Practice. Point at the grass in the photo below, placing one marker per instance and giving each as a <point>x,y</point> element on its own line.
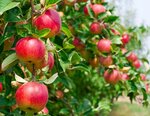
<point>128,109</point>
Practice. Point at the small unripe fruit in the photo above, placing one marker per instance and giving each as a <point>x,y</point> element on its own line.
<point>32,97</point>
<point>50,19</point>
<point>125,39</point>
<point>104,45</point>
<point>59,94</point>
<point>106,61</point>
<point>94,62</point>
<point>30,49</point>
<point>132,57</point>
<point>95,28</point>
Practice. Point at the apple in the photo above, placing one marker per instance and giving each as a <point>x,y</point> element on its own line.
<point>143,77</point>
<point>30,49</point>
<point>1,87</point>
<point>104,45</point>
<point>106,61</point>
<point>59,94</point>
<point>78,44</point>
<point>112,77</point>
<point>132,57</point>
<point>44,111</point>
<point>50,19</point>
<point>98,8</point>
<point>124,77</point>
<point>95,28</point>
<point>136,64</point>
<point>94,62</point>
<point>123,50</point>
<point>125,39</point>
<point>85,10</point>
<point>70,2</point>
<point>31,97</point>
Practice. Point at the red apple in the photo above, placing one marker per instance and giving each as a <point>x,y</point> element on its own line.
<point>59,94</point>
<point>95,28</point>
<point>124,77</point>
<point>112,77</point>
<point>32,96</point>
<point>78,44</point>
<point>70,2</point>
<point>1,87</point>
<point>106,61</point>
<point>85,10</point>
<point>136,64</point>
<point>30,49</point>
<point>104,45</point>
<point>132,57</point>
<point>143,77</point>
<point>125,39</point>
<point>44,111</point>
<point>50,19</point>
<point>98,8</point>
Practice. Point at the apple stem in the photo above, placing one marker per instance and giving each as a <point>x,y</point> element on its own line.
<point>33,72</point>
<point>32,10</point>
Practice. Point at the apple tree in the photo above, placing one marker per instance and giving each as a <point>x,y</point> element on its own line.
<point>67,57</point>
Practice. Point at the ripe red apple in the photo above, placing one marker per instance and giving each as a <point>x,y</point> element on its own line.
<point>85,10</point>
<point>59,94</point>
<point>125,39</point>
<point>1,87</point>
<point>124,77</point>
<point>112,77</point>
<point>143,77</point>
<point>78,44</point>
<point>32,97</point>
<point>98,8</point>
<point>132,57</point>
<point>136,64</point>
<point>50,19</point>
<point>70,2</point>
<point>104,45</point>
<point>95,28</point>
<point>94,62</point>
<point>106,61</point>
<point>44,111</point>
<point>30,49</point>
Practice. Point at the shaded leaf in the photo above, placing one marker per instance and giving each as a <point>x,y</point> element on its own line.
<point>51,79</point>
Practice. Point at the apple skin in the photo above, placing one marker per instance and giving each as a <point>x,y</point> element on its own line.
<point>50,19</point>
<point>132,57</point>
<point>143,77</point>
<point>95,28</point>
<point>106,61</point>
<point>1,87</point>
<point>30,49</point>
<point>32,97</point>
<point>104,45</point>
<point>98,8</point>
<point>125,39</point>
<point>59,94</point>
<point>136,64</point>
<point>112,77</point>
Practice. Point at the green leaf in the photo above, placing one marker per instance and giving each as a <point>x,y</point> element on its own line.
<point>9,61</point>
<point>51,79</point>
<point>81,67</point>
<point>116,40</point>
<point>74,57</point>
<point>110,19</point>
<point>20,79</point>
<point>52,1</point>
<point>66,30</point>
<point>7,5</point>
<point>41,33</point>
